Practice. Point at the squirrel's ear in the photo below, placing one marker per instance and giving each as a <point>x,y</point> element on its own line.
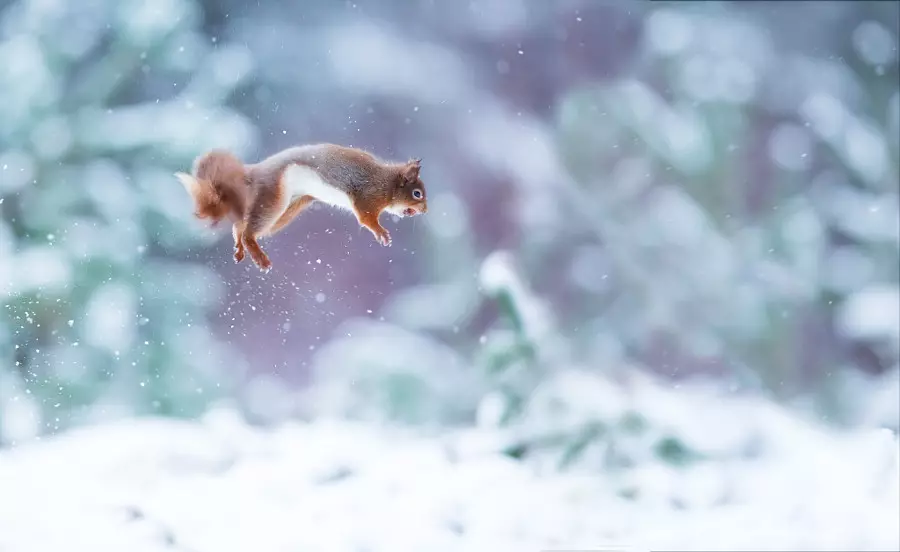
<point>410,172</point>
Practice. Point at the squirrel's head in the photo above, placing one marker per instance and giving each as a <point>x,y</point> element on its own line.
<point>409,192</point>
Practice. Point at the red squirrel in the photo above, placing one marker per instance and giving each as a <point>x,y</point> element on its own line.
<point>261,199</point>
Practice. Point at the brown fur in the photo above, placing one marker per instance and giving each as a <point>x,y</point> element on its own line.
<point>258,203</point>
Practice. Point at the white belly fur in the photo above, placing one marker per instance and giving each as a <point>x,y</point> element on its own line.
<point>301,181</point>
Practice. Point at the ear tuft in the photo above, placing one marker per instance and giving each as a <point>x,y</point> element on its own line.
<point>410,172</point>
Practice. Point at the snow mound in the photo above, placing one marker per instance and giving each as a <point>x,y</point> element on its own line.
<point>218,485</point>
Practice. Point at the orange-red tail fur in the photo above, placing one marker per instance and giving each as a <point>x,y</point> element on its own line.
<point>218,187</point>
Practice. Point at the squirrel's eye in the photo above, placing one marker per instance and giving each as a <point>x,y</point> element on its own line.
<point>417,194</point>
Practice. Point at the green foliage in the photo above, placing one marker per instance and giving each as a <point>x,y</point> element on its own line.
<point>673,451</point>
<point>96,320</point>
<point>726,212</point>
<point>579,442</point>
<point>520,348</point>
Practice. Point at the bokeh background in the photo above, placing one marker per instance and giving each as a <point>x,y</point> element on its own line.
<point>617,191</point>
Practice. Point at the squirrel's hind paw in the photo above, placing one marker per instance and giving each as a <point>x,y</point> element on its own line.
<point>384,239</point>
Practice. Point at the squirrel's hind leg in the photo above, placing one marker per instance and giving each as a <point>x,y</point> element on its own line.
<point>268,206</point>
<point>237,231</point>
<point>256,253</point>
<point>296,206</point>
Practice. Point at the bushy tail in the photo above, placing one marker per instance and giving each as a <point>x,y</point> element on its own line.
<point>213,201</point>
<point>207,201</point>
<point>218,186</point>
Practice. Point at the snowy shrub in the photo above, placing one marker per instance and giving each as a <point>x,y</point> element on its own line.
<point>377,371</point>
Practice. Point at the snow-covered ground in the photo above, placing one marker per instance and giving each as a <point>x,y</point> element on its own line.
<point>218,485</point>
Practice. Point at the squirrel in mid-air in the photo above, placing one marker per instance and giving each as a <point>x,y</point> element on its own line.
<point>261,199</point>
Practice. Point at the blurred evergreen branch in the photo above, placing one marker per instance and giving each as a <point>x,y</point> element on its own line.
<point>95,322</point>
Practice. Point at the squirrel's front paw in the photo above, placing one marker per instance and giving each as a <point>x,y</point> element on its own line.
<point>238,254</point>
